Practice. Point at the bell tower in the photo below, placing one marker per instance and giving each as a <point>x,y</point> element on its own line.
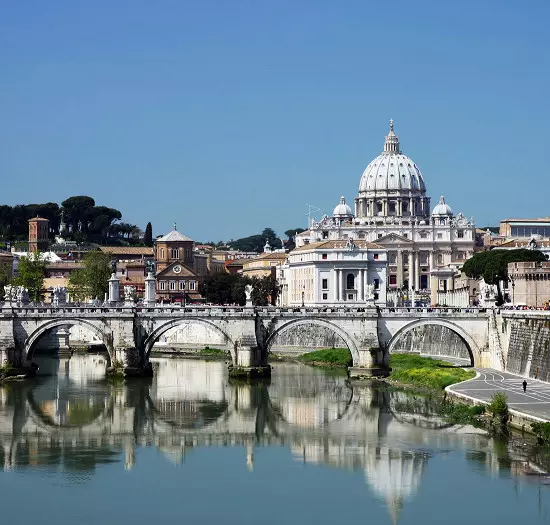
<point>38,234</point>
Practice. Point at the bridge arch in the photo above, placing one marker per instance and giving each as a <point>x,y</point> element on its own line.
<point>466,338</point>
<point>162,329</point>
<point>348,340</point>
<point>32,339</point>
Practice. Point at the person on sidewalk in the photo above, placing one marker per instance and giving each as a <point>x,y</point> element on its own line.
<point>524,385</point>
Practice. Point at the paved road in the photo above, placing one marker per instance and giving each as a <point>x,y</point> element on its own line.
<point>536,401</point>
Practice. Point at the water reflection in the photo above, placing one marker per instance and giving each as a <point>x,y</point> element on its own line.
<point>77,420</point>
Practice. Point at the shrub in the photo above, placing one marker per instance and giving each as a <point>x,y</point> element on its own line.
<point>542,431</point>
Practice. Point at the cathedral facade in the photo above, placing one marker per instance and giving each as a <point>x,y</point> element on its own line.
<point>422,248</point>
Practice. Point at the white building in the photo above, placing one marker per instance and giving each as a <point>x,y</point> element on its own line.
<point>392,210</point>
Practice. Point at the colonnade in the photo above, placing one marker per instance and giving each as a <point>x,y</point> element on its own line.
<point>404,207</point>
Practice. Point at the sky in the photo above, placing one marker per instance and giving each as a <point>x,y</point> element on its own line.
<point>231,116</point>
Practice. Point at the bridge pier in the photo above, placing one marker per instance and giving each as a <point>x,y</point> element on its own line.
<point>373,362</point>
<point>249,362</point>
<point>128,362</point>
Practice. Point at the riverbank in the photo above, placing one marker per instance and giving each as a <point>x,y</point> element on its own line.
<point>203,353</point>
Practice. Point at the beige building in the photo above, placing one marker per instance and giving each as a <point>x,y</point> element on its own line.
<point>264,265</point>
<point>529,283</point>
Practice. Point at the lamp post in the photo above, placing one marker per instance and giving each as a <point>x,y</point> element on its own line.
<point>303,295</point>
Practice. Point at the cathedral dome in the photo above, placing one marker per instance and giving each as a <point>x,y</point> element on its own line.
<point>342,209</point>
<point>392,170</point>
<point>442,208</point>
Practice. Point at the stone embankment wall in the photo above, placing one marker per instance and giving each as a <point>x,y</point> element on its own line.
<point>432,340</point>
<point>528,352</point>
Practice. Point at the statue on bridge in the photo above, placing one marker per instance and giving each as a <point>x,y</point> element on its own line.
<point>248,294</point>
<point>59,296</point>
<point>16,294</point>
<point>369,291</point>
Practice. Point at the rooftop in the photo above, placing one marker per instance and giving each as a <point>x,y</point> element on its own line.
<point>146,251</point>
<point>338,245</point>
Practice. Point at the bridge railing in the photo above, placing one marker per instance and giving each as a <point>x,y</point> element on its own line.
<point>200,310</point>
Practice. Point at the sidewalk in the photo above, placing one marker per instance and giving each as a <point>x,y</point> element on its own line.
<point>534,403</point>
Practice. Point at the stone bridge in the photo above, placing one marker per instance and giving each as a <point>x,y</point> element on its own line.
<point>129,333</point>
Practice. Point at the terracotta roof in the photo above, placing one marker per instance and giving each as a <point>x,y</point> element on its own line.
<point>128,250</point>
<point>270,256</point>
<point>64,265</point>
<point>340,244</point>
<point>237,262</point>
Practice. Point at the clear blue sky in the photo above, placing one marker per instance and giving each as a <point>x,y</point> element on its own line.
<point>230,116</point>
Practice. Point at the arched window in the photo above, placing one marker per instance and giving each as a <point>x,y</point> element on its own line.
<point>350,281</point>
<point>439,258</point>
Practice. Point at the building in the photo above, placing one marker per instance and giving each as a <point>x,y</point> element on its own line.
<point>335,272</point>
<point>425,248</point>
<point>182,267</point>
<point>525,228</point>
<point>127,254</point>
<point>39,234</point>
<point>263,265</point>
<point>529,283</point>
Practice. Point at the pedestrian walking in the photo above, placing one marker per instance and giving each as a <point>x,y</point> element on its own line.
<point>524,385</point>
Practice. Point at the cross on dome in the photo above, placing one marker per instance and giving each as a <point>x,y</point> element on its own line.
<point>391,144</point>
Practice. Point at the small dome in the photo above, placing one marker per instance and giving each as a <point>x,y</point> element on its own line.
<point>342,210</point>
<point>442,208</point>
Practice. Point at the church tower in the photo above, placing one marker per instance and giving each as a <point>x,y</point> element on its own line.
<point>38,234</point>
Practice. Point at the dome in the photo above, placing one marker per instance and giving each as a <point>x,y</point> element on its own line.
<point>342,209</point>
<point>442,208</point>
<point>392,170</point>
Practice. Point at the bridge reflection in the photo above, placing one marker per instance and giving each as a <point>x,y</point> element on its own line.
<point>76,419</point>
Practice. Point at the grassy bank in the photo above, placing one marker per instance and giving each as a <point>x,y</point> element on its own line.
<point>424,372</point>
<point>340,357</point>
<point>213,352</point>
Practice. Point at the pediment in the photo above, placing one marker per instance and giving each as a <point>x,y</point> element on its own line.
<point>172,271</point>
<point>392,239</point>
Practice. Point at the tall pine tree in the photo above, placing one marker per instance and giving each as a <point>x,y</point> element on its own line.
<point>148,237</point>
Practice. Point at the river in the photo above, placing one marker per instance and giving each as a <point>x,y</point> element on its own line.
<point>189,446</point>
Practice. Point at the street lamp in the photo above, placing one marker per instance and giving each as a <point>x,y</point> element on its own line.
<point>303,295</point>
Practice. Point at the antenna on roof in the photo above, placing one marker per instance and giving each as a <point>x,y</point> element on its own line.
<point>310,208</point>
<point>175,226</point>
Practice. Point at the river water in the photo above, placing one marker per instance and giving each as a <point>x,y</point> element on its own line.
<point>189,446</point>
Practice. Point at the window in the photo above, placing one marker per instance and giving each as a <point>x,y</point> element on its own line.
<point>375,256</point>
<point>376,283</point>
<point>325,235</point>
<point>439,258</point>
<point>406,235</point>
<point>162,253</point>
<point>379,235</point>
<point>182,285</point>
<point>162,285</point>
<point>460,234</point>
<point>440,236</point>
<point>192,285</point>
<point>324,256</point>
<point>393,279</point>
<point>350,297</point>
<point>325,296</point>
<point>172,285</point>
<point>423,235</point>
<point>324,284</point>
<point>350,281</point>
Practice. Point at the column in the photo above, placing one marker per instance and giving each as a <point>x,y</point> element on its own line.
<point>342,285</point>
<point>399,269</point>
<point>417,270</point>
<point>411,206</point>
<point>411,270</point>
<point>334,284</point>
<point>114,295</point>
<point>360,285</point>
<point>371,207</point>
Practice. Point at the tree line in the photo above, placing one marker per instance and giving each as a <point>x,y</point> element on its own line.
<point>85,221</point>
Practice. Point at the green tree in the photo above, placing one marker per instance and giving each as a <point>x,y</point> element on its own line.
<point>5,277</point>
<point>265,291</point>
<point>148,238</point>
<point>291,234</point>
<point>91,281</point>
<point>492,265</point>
<point>225,288</point>
<point>31,275</point>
